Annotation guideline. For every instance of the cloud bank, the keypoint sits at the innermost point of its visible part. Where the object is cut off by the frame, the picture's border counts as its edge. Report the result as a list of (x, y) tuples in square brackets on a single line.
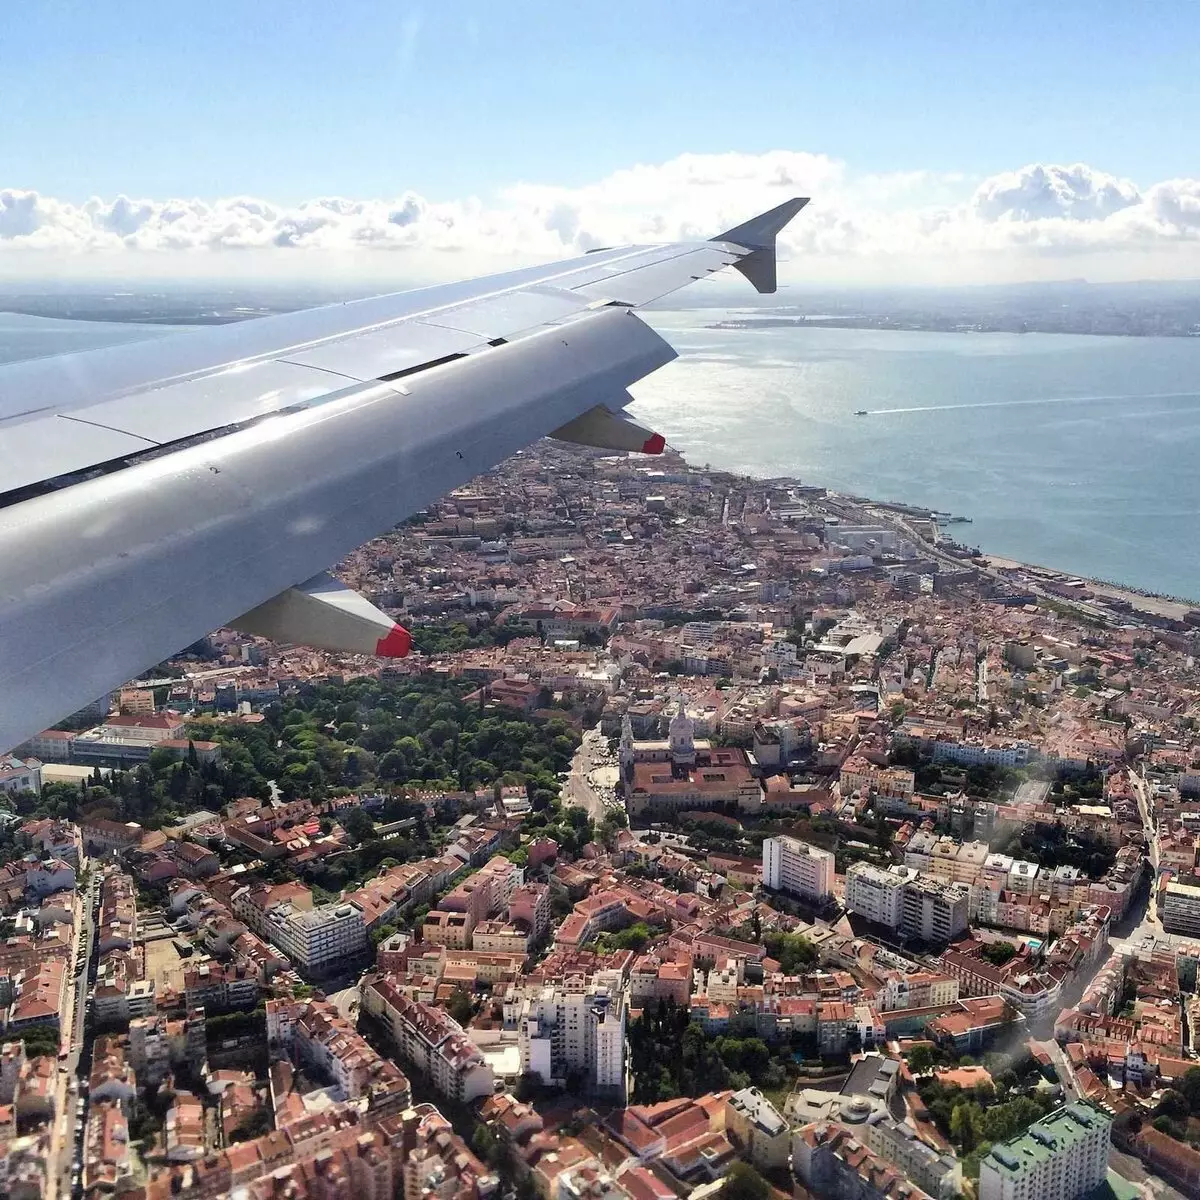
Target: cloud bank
[(1041, 219)]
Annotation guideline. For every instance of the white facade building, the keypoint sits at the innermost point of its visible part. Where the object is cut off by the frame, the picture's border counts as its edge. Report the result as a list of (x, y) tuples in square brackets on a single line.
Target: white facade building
[(320, 938), (876, 894), (794, 866), (571, 1029), (1060, 1157)]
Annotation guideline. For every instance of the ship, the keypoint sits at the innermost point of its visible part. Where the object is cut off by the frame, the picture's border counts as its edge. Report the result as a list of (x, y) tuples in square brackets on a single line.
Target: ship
[(860, 412)]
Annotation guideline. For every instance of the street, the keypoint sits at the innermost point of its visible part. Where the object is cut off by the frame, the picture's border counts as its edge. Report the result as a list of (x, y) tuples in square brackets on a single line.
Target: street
[(593, 776), (67, 1142)]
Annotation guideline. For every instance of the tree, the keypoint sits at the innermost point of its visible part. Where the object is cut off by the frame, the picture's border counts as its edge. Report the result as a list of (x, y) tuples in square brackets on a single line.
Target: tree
[(962, 1126), (358, 825), (483, 1142), (1173, 1105), (459, 1006), (920, 1059), (1189, 1086), (743, 1182), (253, 1125)]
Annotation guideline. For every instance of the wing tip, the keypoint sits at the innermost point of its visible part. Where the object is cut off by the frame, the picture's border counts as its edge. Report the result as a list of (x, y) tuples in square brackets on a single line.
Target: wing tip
[(396, 644), (757, 236)]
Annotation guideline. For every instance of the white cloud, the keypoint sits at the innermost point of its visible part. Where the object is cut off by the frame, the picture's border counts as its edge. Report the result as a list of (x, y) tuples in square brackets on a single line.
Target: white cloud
[(1042, 219)]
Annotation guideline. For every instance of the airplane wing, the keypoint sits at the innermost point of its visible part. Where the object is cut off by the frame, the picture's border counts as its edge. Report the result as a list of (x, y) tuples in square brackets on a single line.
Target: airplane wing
[(153, 492)]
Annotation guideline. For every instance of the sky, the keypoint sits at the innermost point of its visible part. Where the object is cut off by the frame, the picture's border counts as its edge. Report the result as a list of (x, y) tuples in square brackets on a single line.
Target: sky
[(940, 141)]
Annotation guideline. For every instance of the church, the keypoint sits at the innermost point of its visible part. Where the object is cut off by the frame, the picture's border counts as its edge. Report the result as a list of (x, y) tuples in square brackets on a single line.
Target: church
[(681, 773)]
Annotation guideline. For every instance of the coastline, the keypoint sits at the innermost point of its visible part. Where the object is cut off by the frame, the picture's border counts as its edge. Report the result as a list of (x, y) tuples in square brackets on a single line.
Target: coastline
[(1162, 606), (1153, 604)]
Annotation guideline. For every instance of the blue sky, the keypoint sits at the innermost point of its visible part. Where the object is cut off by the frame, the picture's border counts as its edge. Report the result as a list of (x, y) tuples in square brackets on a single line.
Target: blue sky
[(361, 97), (958, 140)]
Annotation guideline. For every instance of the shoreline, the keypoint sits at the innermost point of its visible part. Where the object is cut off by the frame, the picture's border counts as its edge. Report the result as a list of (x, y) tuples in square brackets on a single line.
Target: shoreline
[(1149, 602), (1139, 599)]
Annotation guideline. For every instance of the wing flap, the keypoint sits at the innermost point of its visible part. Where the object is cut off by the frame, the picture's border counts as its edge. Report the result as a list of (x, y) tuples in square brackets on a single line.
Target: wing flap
[(385, 352), (509, 313), (654, 280), (242, 393), (51, 447)]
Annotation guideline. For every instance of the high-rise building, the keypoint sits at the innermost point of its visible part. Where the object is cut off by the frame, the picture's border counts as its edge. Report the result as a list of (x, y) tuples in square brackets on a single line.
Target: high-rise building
[(934, 910), (793, 866), (571, 1029), (1060, 1157), (876, 894), (1180, 907)]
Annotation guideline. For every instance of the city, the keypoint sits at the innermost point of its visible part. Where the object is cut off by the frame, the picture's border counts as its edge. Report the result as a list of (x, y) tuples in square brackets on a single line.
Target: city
[(719, 835)]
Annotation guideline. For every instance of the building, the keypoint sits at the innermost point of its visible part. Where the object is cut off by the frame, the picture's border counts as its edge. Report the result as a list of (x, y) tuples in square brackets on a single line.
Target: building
[(832, 1160), (1179, 905), (431, 1041), (876, 894), (938, 1174), (20, 775), (794, 866), (1060, 1157), (577, 1028), (934, 910), (753, 1124), (318, 940)]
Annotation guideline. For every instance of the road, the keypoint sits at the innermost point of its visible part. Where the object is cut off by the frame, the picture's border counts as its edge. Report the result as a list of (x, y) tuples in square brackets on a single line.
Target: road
[(68, 1130), (580, 786)]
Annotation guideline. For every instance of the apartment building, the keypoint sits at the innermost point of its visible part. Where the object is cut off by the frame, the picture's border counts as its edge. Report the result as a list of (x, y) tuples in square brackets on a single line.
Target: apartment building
[(832, 1160), (793, 866), (933, 909), (1060, 1157), (318, 939), (896, 1141), (1179, 904), (218, 987), (430, 1041), (753, 1123), (315, 1036), (875, 893), (918, 989), (575, 1027)]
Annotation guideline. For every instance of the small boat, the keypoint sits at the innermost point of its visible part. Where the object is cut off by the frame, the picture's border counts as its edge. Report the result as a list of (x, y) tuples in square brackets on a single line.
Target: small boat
[(861, 412)]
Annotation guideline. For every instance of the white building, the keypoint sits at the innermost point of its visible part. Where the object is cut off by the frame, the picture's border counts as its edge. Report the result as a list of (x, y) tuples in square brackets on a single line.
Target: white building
[(20, 775), (1060, 1157), (573, 1029), (794, 866), (320, 938), (1180, 907), (876, 894), (755, 1125)]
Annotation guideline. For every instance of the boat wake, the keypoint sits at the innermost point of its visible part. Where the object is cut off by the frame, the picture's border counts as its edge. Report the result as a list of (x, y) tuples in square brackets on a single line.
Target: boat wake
[(1040, 400)]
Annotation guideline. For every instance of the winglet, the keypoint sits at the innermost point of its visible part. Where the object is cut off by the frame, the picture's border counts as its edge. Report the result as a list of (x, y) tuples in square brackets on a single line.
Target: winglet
[(758, 236)]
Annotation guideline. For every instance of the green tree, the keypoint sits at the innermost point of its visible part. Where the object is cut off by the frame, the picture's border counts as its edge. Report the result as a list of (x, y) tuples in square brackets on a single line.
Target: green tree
[(459, 1006), (358, 825), (1173, 1105), (1189, 1086), (743, 1182), (920, 1059)]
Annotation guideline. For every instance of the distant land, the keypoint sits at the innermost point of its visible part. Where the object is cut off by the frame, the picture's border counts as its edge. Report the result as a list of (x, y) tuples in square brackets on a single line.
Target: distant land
[(1147, 309), (1123, 309)]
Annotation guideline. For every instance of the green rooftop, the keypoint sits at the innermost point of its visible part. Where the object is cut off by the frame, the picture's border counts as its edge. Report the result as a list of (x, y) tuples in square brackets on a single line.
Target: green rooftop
[(1069, 1124)]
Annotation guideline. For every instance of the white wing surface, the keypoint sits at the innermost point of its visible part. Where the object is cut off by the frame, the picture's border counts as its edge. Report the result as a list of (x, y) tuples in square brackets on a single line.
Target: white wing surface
[(150, 493)]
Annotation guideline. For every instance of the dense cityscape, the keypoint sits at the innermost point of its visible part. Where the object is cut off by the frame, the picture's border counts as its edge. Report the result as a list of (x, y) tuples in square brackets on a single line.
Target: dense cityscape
[(720, 836)]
